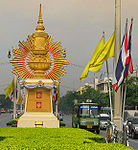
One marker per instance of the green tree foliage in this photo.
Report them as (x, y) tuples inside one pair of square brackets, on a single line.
[(67, 101), (132, 93), (5, 103), (95, 96)]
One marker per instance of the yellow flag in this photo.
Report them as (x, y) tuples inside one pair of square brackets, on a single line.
[(101, 54), (20, 99), (94, 57), (9, 89)]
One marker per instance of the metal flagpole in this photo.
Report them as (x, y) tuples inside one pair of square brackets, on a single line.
[(123, 92), (124, 101), (56, 110), (117, 95), (14, 98), (58, 99), (21, 102), (109, 91), (56, 102)]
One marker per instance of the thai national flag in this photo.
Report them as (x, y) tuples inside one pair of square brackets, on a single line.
[(11, 96), (55, 96), (129, 49), (124, 61)]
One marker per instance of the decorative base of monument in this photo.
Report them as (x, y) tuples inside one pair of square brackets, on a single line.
[(38, 119)]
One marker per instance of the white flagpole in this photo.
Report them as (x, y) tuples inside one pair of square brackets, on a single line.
[(56, 110), (124, 101), (21, 102), (109, 89), (56, 103), (14, 98)]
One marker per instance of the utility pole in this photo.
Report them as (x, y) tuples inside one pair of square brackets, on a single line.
[(117, 96)]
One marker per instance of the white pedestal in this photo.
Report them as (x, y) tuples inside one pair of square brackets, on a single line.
[(29, 119)]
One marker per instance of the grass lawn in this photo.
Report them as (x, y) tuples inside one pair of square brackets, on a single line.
[(12, 138)]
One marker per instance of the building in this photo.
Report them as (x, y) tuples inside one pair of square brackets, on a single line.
[(82, 89), (102, 84)]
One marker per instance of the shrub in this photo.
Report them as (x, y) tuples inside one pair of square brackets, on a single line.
[(13, 122), (53, 139)]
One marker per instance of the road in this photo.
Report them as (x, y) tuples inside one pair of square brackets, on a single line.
[(4, 118)]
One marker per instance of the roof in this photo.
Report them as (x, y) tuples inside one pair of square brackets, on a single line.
[(86, 103), (104, 115)]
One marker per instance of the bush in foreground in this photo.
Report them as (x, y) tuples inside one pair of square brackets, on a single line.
[(53, 139)]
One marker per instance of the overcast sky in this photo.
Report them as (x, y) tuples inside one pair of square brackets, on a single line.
[(77, 24)]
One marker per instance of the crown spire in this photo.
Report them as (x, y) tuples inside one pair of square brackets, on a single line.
[(40, 27)]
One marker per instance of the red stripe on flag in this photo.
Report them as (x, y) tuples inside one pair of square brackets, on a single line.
[(131, 67)]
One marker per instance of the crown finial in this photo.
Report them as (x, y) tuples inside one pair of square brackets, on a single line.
[(40, 27)]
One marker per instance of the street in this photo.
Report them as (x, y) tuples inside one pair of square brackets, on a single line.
[(4, 118)]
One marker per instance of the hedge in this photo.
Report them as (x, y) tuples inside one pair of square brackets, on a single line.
[(12, 122), (53, 139)]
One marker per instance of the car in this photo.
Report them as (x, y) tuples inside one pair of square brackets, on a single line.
[(104, 118), (9, 111), (133, 126), (3, 110), (18, 113), (136, 114), (59, 116)]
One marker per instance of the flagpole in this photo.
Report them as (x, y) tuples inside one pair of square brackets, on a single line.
[(109, 91), (124, 101), (117, 95), (21, 103), (14, 99), (56, 110)]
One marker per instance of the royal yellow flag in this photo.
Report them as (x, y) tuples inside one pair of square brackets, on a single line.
[(102, 52), (20, 99), (9, 89)]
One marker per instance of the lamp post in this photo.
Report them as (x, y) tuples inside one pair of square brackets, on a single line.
[(14, 94)]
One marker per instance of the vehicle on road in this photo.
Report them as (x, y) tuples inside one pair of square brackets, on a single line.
[(59, 116), (104, 118), (133, 126), (86, 116), (3, 110), (136, 114)]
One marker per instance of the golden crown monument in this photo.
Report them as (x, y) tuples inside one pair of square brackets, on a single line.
[(38, 63)]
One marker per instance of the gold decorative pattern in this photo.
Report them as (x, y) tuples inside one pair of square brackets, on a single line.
[(39, 57)]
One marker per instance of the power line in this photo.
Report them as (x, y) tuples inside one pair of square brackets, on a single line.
[(4, 63), (67, 87), (75, 65)]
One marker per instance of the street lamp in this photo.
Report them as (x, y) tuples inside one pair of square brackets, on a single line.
[(9, 54)]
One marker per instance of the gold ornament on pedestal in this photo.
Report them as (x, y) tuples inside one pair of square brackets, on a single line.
[(39, 57)]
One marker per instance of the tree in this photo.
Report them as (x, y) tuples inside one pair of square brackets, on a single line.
[(95, 96), (131, 94), (5, 103), (67, 101)]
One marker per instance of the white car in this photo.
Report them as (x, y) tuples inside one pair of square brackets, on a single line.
[(104, 118)]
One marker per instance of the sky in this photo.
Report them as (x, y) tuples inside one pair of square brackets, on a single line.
[(77, 24)]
